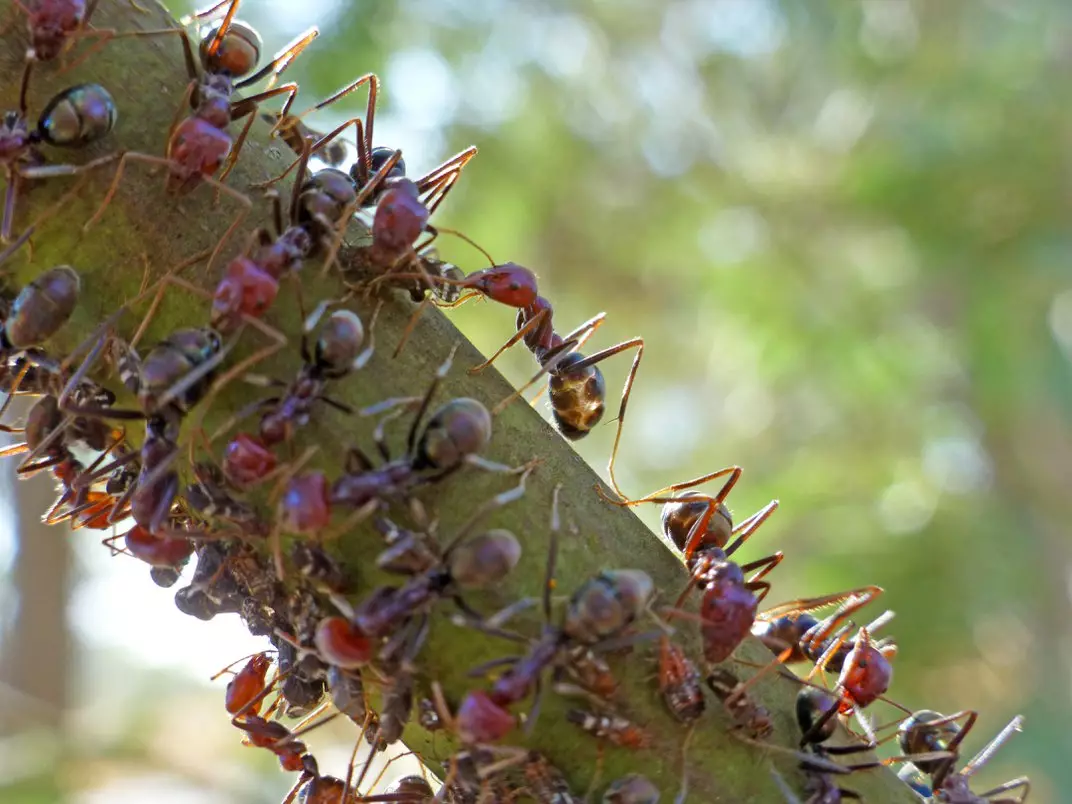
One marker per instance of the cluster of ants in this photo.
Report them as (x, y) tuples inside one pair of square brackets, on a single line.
[(325, 646)]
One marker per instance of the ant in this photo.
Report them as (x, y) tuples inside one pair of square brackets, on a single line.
[(172, 378), (337, 352), (702, 528), (75, 118), (864, 678), (792, 625), (453, 436), (199, 145), (927, 732), (467, 562), (600, 611), (813, 708), (317, 204)]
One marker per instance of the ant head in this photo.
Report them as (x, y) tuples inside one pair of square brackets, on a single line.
[(867, 673), (484, 559), (459, 428), (235, 51), (509, 284)]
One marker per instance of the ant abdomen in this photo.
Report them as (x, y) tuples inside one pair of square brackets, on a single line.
[(78, 116), (42, 307), (459, 428), (577, 396)]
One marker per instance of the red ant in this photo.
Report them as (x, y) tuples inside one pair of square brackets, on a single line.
[(927, 732), (198, 145), (701, 527)]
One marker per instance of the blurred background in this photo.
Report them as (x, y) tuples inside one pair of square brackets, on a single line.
[(841, 228)]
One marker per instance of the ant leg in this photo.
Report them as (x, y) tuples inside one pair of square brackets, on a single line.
[(529, 326), (322, 142), (1021, 783), (210, 12), (161, 286), (744, 530), (437, 378), (741, 689), (362, 194), (246, 108), (9, 398), (550, 360), (439, 180), (9, 206), (591, 360), (980, 759), (282, 60), (764, 565), (496, 502), (159, 160), (734, 473), (855, 600), (189, 59), (103, 35), (364, 140)]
